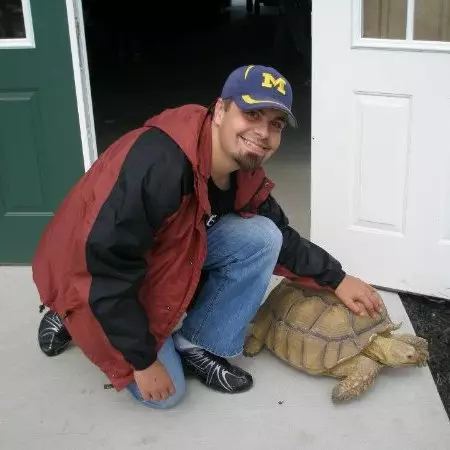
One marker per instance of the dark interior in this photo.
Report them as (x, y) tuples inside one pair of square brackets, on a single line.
[(145, 56)]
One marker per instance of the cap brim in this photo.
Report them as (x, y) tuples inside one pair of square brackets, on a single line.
[(248, 103)]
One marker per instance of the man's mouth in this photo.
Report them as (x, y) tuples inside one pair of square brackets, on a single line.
[(253, 147)]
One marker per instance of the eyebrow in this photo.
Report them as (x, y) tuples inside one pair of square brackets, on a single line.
[(281, 117)]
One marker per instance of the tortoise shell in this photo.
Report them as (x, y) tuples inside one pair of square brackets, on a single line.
[(313, 330)]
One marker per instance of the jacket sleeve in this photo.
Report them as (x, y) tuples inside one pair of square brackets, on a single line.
[(147, 191), (298, 256)]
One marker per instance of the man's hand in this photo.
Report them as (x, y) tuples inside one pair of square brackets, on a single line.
[(359, 297), (154, 382)]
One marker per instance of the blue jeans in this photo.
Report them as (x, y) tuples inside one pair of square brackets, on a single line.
[(241, 256)]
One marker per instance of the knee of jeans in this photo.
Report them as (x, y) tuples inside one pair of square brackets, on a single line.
[(265, 234)]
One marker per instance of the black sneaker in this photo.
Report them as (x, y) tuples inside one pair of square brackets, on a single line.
[(214, 371), (53, 336)]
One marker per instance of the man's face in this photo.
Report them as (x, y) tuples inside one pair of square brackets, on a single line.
[(250, 138)]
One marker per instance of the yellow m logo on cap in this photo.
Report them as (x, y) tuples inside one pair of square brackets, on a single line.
[(271, 82)]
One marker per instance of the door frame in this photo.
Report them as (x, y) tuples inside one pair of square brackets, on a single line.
[(82, 82)]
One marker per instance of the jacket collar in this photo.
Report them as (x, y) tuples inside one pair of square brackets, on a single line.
[(190, 127)]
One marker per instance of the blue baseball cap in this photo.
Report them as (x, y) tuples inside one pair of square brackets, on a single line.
[(256, 87)]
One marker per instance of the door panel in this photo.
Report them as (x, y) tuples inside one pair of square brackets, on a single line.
[(40, 146), (380, 149), (381, 153)]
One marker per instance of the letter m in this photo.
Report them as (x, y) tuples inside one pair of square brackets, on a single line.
[(271, 82)]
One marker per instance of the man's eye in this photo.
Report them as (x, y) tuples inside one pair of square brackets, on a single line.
[(252, 114), (278, 125)]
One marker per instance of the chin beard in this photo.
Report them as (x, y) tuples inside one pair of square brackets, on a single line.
[(249, 162)]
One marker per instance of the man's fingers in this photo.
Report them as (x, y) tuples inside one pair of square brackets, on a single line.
[(360, 297), (169, 393), (375, 300), (378, 300), (353, 306), (166, 393), (362, 309), (156, 396), (367, 302), (358, 307), (374, 297)]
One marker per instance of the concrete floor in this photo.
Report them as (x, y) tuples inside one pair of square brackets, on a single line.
[(60, 403)]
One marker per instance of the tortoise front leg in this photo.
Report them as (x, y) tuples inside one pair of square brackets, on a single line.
[(361, 376), (261, 325)]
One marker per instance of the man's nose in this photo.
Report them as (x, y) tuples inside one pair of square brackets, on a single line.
[(262, 129)]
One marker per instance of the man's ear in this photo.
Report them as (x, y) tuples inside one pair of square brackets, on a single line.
[(219, 111)]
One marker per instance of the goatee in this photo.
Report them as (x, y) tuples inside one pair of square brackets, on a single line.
[(249, 162)]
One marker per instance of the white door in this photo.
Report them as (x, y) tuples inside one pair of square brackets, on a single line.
[(381, 140)]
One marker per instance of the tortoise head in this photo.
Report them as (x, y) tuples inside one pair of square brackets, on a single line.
[(403, 354), (397, 352)]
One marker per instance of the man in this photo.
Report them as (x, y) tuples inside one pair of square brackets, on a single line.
[(176, 217)]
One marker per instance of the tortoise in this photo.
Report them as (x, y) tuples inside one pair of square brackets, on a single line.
[(313, 331)]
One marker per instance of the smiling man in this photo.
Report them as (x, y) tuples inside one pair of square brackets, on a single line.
[(178, 217)]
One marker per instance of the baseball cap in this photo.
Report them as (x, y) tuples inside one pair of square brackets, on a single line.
[(256, 87)]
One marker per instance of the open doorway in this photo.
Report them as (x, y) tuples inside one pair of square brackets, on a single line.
[(146, 56)]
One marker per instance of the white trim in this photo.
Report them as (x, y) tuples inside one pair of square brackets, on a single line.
[(28, 40), (395, 44), (410, 20), (82, 82), (82, 52), (391, 44), (357, 22)]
